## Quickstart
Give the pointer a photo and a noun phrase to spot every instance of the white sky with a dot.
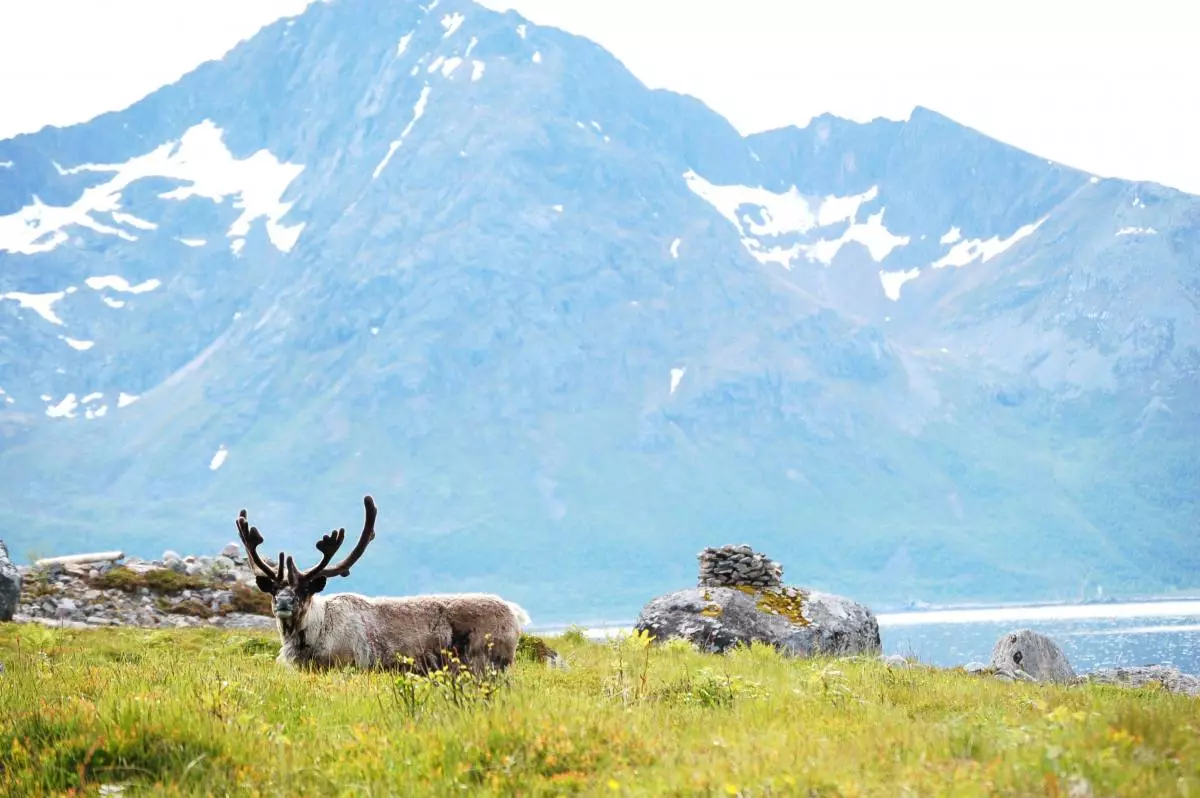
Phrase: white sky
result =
(1107, 86)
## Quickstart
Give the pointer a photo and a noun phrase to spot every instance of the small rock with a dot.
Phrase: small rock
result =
(1170, 678)
(1034, 654)
(894, 661)
(170, 556)
(233, 551)
(975, 668)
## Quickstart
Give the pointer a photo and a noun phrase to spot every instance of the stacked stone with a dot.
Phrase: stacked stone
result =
(734, 566)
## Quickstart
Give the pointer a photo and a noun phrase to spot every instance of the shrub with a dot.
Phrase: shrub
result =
(162, 580)
(248, 600)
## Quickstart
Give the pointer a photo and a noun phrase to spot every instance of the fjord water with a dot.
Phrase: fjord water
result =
(1092, 635)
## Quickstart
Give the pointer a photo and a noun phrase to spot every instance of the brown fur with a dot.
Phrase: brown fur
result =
(330, 631)
(481, 630)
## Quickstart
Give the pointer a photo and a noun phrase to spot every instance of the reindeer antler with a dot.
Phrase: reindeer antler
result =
(330, 543)
(251, 540)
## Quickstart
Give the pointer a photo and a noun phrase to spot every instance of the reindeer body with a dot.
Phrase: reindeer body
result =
(482, 630)
(350, 629)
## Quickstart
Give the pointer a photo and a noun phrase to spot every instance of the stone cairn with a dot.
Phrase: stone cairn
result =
(733, 566)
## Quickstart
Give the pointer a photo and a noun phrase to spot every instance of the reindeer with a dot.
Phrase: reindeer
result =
(346, 628)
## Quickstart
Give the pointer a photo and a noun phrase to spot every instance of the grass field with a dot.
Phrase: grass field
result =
(206, 712)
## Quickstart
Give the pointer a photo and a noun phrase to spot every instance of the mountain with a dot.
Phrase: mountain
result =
(568, 331)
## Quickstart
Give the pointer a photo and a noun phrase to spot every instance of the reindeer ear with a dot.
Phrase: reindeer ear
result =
(265, 584)
(314, 585)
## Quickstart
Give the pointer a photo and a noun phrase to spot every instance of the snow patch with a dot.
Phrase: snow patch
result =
(782, 213)
(1137, 202)
(879, 241)
(113, 303)
(116, 283)
(675, 247)
(1134, 231)
(892, 281)
(965, 252)
(237, 246)
(92, 397)
(452, 22)
(537, 57)
(126, 399)
(558, 208)
(79, 346)
(98, 412)
(521, 31)
(418, 112)
(450, 65)
(952, 235)
(64, 409)
(676, 376)
(477, 68)
(843, 209)
(133, 221)
(1094, 179)
(41, 304)
(6, 164)
(790, 213)
(218, 459)
(402, 46)
(471, 46)
(192, 242)
(200, 159)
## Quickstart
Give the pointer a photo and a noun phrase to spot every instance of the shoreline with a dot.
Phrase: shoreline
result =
(1158, 607)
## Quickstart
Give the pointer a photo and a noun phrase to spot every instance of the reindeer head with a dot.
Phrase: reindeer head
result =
(292, 589)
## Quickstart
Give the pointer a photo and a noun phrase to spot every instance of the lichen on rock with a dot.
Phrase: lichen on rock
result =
(787, 602)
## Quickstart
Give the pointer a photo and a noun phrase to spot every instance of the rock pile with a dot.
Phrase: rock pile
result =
(109, 590)
(733, 566)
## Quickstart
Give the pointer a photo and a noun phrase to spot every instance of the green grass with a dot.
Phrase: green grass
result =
(209, 712)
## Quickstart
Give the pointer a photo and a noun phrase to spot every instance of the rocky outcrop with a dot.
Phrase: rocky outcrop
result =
(10, 585)
(740, 598)
(1164, 676)
(1026, 653)
(109, 590)
(795, 621)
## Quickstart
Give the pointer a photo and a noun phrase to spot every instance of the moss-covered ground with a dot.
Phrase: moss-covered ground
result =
(209, 712)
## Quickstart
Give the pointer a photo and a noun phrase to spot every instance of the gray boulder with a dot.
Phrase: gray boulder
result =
(797, 622)
(1028, 653)
(1170, 678)
(10, 585)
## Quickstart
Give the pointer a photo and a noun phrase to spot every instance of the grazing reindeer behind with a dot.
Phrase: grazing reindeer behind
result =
(345, 628)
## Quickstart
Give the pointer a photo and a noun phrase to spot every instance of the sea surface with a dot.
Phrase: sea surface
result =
(1091, 635)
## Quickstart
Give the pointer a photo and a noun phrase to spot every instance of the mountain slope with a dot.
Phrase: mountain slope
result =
(568, 330)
